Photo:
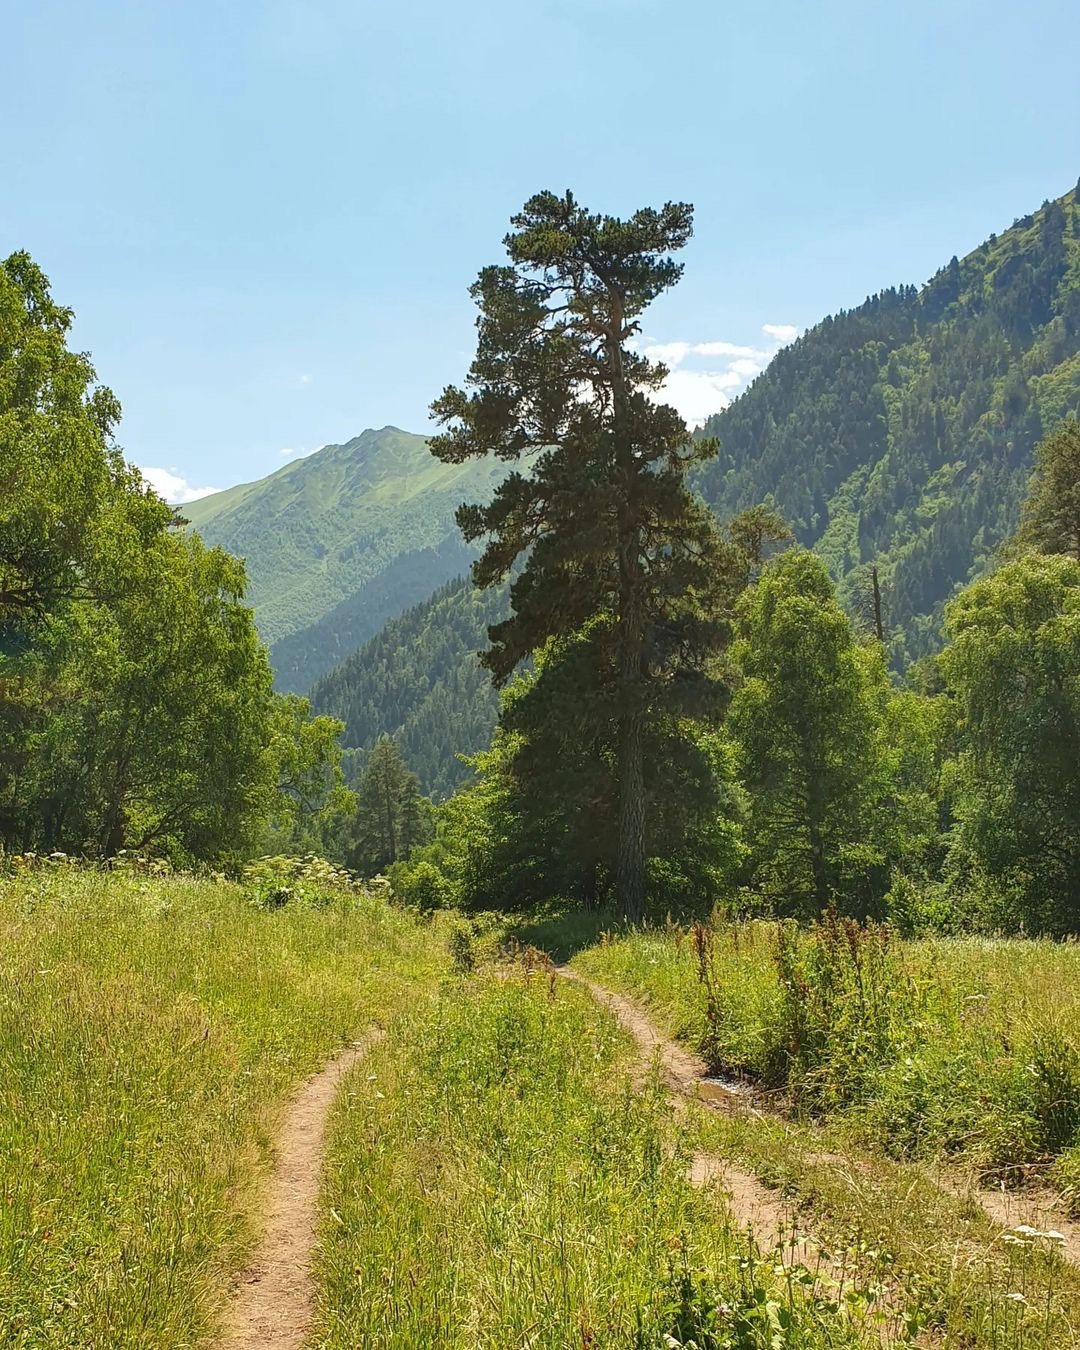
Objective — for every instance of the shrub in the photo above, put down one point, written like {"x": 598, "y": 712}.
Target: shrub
{"x": 421, "y": 885}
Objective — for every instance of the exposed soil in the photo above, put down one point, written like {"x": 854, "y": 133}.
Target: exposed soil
{"x": 752, "y": 1205}
{"x": 759, "y": 1208}
{"x": 773, "y": 1222}
{"x": 1038, "y": 1209}
{"x": 682, "y": 1070}
{"x": 272, "y": 1303}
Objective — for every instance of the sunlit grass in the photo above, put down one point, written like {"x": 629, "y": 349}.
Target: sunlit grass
{"x": 150, "y": 1031}
{"x": 931, "y": 1051}
{"x": 964, "y": 1047}
{"x": 494, "y": 1180}
{"x": 949, "y": 1265}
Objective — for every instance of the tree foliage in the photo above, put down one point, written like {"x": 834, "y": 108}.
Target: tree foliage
{"x": 391, "y": 816}
{"x": 1051, "y": 517}
{"x": 135, "y": 695}
{"x": 806, "y": 719}
{"x": 57, "y": 467}
{"x": 603, "y": 521}
{"x": 1013, "y": 666}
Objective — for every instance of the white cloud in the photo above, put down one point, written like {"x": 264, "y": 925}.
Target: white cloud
{"x": 669, "y": 353}
{"x": 304, "y": 379}
{"x": 290, "y": 453}
{"x": 698, "y": 390}
{"x": 723, "y": 349}
{"x": 176, "y": 490}
{"x": 748, "y": 367}
{"x": 781, "y": 332}
{"x": 697, "y": 394}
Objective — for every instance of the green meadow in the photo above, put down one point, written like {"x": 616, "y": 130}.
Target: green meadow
{"x": 503, "y": 1168}
{"x": 151, "y": 1030}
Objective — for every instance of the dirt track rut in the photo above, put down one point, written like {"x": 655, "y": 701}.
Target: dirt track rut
{"x": 273, "y": 1302}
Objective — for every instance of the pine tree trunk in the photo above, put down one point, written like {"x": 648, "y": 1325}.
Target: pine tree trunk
{"x": 630, "y": 873}
{"x": 630, "y": 862}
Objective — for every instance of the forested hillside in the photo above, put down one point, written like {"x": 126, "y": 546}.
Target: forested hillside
{"x": 898, "y": 434}
{"x": 901, "y": 433}
{"x": 419, "y": 680}
{"x": 336, "y": 543}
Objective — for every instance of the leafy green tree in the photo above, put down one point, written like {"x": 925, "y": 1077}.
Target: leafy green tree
{"x": 313, "y": 805}
{"x": 160, "y": 740}
{"x": 1051, "y": 517}
{"x": 56, "y": 460}
{"x": 135, "y": 696}
{"x": 390, "y": 814}
{"x": 806, "y": 721}
{"x": 1013, "y": 667}
{"x": 604, "y": 520}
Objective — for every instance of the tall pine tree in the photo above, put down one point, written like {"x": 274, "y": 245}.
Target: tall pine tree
{"x": 604, "y": 519}
{"x": 1051, "y": 518}
{"x": 389, "y": 810}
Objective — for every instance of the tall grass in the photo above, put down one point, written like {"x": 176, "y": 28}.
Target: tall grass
{"x": 959, "y": 1046}
{"x": 959, "y": 1278}
{"x": 493, "y": 1180}
{"x": 150, "y": 1031}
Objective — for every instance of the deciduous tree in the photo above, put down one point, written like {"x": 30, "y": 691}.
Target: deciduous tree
{"x": 806, "y": 720}
{"x": 1013, "y": 666}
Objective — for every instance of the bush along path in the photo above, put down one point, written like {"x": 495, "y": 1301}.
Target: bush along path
{"x": 959, "y": 1267}
{"x": 271, "y": 1308}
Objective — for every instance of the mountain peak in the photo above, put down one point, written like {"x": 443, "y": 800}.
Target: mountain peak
{"x": 357, "y": 530}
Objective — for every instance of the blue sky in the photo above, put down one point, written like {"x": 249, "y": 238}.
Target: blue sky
{"x": 266, "y": 215}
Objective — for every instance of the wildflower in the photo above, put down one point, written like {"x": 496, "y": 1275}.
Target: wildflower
{"x": 1026, "y": 1230}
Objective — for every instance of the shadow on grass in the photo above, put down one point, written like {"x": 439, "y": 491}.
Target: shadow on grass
{"x": 560, "y": 930}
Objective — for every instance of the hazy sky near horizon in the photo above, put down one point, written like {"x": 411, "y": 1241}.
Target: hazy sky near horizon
{"x": 266, "y": 213}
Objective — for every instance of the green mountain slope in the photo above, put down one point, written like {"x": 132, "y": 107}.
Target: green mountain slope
{"x": 900, "y": 433}
{"x": 342, "y": 540}
{"x": 419, "y": 680}
{"x": 897, "y": 434}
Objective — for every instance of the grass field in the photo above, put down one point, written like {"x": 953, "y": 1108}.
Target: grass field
{"x": 964, "y": 1048}
{"x": 149, "y": 1033}
{"x": 961, "y": 1280}
{"x": 494, "y": 1180}
{"x": 889, "y": 1061}
{"x": 499, "y": 1172}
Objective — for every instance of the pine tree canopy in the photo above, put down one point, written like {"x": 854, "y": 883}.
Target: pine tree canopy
{"x": 603, "y": 517}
